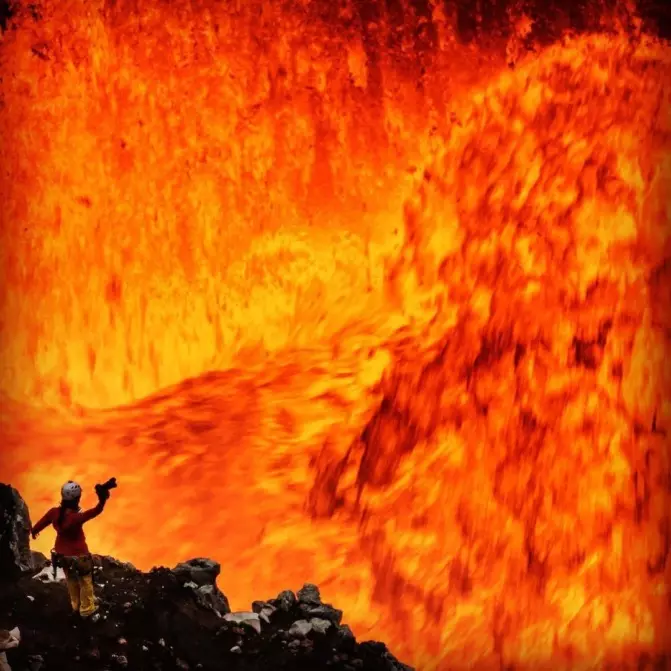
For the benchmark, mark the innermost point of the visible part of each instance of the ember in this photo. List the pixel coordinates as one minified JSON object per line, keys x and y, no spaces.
{"x":377,"y":300}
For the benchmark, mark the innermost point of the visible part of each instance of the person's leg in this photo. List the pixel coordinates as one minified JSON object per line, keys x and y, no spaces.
{"x":88,"y":602}
{"x":72,"y":582}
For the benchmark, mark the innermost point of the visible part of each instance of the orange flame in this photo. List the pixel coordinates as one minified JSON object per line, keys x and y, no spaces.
{"x":437,"y":289}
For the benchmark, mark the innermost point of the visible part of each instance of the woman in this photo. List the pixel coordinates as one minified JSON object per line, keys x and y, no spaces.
{"x":71,"y":548}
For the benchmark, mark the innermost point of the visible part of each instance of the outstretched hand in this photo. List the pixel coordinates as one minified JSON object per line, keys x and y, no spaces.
{"x":33,"y":534}
{"x":103,"y":494}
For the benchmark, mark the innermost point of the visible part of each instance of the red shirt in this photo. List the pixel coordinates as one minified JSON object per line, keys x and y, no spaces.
{"x":70,"y":538}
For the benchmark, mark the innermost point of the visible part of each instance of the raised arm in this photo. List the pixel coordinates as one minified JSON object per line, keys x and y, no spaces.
{"x":84,"y":516}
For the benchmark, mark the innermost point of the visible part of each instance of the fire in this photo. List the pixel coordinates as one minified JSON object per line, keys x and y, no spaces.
{"x":350,"y":304}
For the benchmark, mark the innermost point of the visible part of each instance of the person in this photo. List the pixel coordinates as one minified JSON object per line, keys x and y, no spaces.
{"x":70,"y":550}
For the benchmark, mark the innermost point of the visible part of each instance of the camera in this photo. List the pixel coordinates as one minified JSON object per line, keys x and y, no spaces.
{"x":103,"y":489}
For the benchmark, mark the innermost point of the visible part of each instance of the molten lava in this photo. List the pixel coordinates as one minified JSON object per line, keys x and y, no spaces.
{"x":351,"y":303}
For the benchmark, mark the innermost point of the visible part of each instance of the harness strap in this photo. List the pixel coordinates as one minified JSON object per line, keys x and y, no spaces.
{"x":81,"y":566}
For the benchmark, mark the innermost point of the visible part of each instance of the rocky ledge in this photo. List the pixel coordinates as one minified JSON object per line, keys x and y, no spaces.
{"x":163,"y":619}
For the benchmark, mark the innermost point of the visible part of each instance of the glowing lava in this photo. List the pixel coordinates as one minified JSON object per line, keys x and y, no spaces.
{"x":439,"y":312}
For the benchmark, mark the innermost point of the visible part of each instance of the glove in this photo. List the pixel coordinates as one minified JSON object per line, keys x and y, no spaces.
{"x":103,"y":494}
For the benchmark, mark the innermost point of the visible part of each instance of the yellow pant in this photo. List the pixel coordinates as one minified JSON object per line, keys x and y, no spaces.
{"x":79,"y":577}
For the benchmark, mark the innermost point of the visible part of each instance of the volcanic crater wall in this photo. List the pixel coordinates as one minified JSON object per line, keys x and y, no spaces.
{"x":507,"y":487}
{"x":525,"y":453}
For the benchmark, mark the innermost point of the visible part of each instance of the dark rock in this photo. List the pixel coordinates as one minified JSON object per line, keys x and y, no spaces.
{"x":309,"y":594}
{"x":285,"y":600}
{"x":39,"y":560}
{"x":212,"y":596}
{"x":246,"y":619}
{"x":320,"y":626}
{"x":300,"y":629}
{"x":35,"y":663}
{"x":346,"y":640}
{"x":373,"y":647}
{"x":345,"y":632}
{"x":15,"y":525}
{"x":324,"y":612}
{"x":200,"y":570}
{"x":102,"y":560}
{"x":120,"y":660}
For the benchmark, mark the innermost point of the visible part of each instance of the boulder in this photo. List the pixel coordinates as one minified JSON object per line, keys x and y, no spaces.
{"x":39,"y":560}
{"x":47,"y":575}
{"x":285,"y":600}
{"x":319,"y":625}
{"x":200,"y":574}
{"x":309,"y":594}
{"x":200,"y":570}
{"x":246,"y":618}
{"x":324,"y":611}
{"x":15,"y":557}
{"x":300,"y":628}
{"x":212,"y":596}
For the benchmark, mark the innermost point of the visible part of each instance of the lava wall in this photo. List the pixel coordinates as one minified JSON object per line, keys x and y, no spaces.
{"x":374,"y":295}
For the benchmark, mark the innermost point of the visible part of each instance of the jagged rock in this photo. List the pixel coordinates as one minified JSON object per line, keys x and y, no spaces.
{"x":100,"y":560}
{"x":35,"y":663}
{"x":266,"y":613}
{"x":324,"y":612}
{"x":39,"y":560}
{"x":47,"y":575}
{"x":211,"y":596}
{"x":201,"y":575}
{"x":319,"y":625}
{"x":246,"y":618}
{"x":264,"y":610}
{"x":309,"y":594}
{"x":311,"y":606}
{"x":345,"y":633}
{"x":300,"y":628}
{"x":285,"y":600}
{"x":15,"y":557}
{"x":200,"y":570}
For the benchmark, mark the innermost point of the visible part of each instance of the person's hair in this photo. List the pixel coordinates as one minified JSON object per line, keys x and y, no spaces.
{"x":72,"y":505}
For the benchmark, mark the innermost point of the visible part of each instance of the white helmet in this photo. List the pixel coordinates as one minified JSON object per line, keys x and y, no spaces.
{"x":70,"y":491}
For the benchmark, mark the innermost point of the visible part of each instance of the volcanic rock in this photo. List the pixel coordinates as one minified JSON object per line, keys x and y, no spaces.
{"x":212,"y":596}
{"x":200,"y":574}
{"x":249,"y":619}
{"x":47,"y":574}
{"x":319,"y":625}
{"x":200,"y":570}
{"x":309,"y":594}
{"x":39,"y":560}
{"x":15,"y":557}
{"x":285,"y":600}
{"x":301,"y":628}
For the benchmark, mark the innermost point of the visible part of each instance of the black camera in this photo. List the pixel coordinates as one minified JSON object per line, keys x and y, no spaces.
{"x":103,"y":490}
